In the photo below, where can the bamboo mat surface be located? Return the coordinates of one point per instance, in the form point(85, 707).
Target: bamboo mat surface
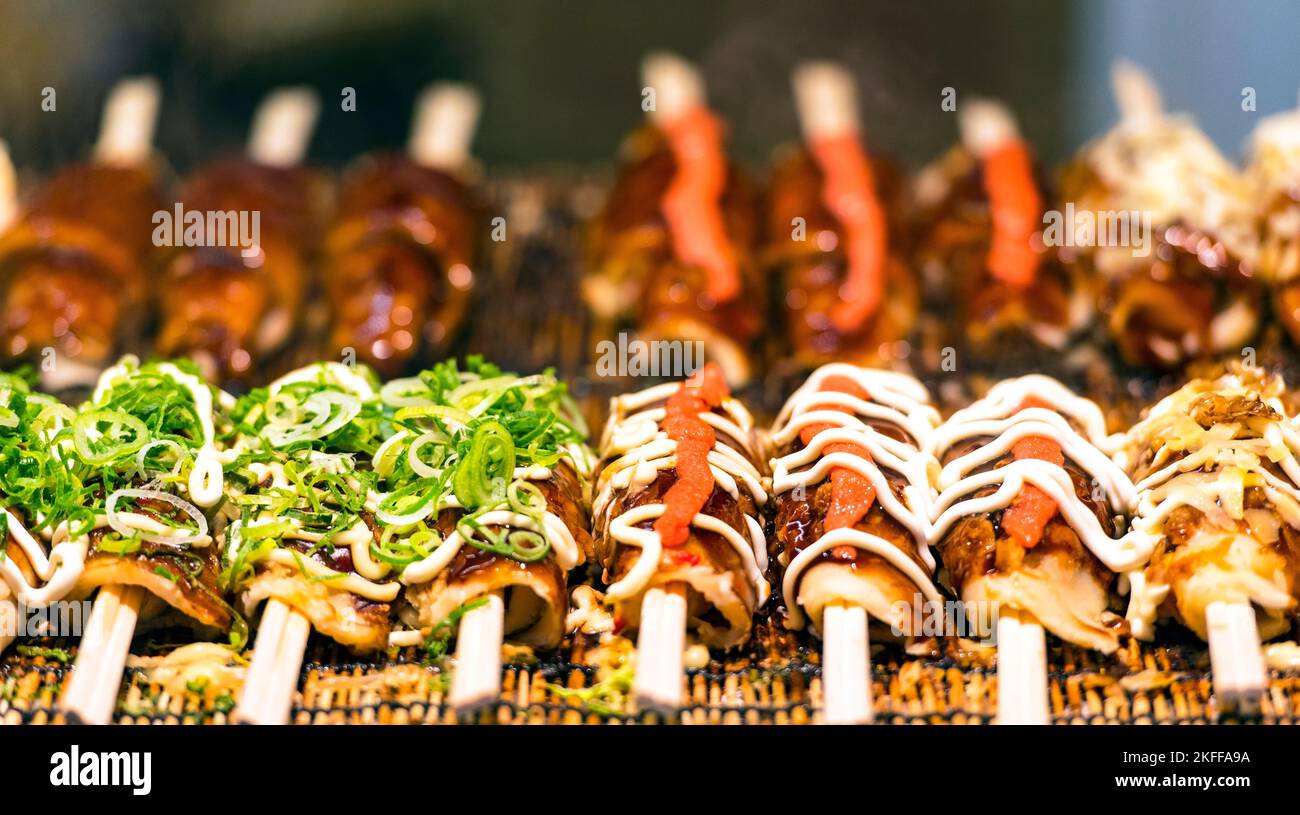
point(528, 315)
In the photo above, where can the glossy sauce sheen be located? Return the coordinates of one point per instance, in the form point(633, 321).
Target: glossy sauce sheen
point(77, 262)
point(400, 257)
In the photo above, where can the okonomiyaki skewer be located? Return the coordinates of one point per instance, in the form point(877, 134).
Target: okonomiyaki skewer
point(145, 451)
point(1028, 518)
point(482, 486)
point(228, 307)
point(76, 263)
point(981, 243)
point(301, 544)
point(1274, 177)
point(676, 519)
point(834, 233)
point(39, 503)
point(852, 492)
point(1175, 234)
point(1219, 501)
point(672, 251)
point(400, 256)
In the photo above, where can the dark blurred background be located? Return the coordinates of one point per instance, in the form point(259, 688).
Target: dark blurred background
point(560, 83)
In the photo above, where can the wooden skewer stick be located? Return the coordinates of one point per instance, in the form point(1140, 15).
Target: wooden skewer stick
point(677, 85)
point(125, 139)
point(1236, 656)
point(986, 125)
point(826, 97)
point(477, 680)
point(1022, 670)
point(1135, 91)
point(278, 651)
point(8, 622)
point(846, 665)
point(446, 116)
point(280, 135)
point(8, 188)
point(293, 647)
point(130, 115)
point(283, 126)
point(659, 649)
point(91, 694)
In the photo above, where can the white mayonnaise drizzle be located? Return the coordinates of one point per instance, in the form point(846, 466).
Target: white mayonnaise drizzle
point(893, 398)
point(207, 481)
point(637, 448)
point(1209, 470)
point(997, 416)
point(59, 569)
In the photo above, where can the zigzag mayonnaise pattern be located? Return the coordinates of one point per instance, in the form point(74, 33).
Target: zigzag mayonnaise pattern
point(999, 415)
point(894, 398)
point(637, 448)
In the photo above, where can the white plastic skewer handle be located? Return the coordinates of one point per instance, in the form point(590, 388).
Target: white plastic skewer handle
point(659, 649)
point(1022, 670)
point(8, 621)
point(8, 188)
point(678, 86)
point(846, 665)
point(272, 678)
point(1135, 91)
point(446, 116)
point(477, 680)
point(130, 115)
point(1236, 656)
point(282, 127)
point(293, 646)
point(826, 98)
point(92, 690)
point(986, 125)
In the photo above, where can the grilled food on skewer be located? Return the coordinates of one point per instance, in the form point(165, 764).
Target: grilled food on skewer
point(671, 253)
point(39, 498)
point(677, 523)
point(482, 485)
point(1177, 283)
point(400, 257)
point(300, 547)
point(144, 453)
point(835, 236)
point(1274, 179)
point(229, 307)
point(352, 494)
point(1219, 500)
point(1028, 517)
point(75, 265)
point(981, 244)
point(852, 493)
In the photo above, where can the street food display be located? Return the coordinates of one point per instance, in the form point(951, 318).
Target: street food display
point(1173, 238)
point(673, 250)
point(792, 500)
point(1219, 506)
